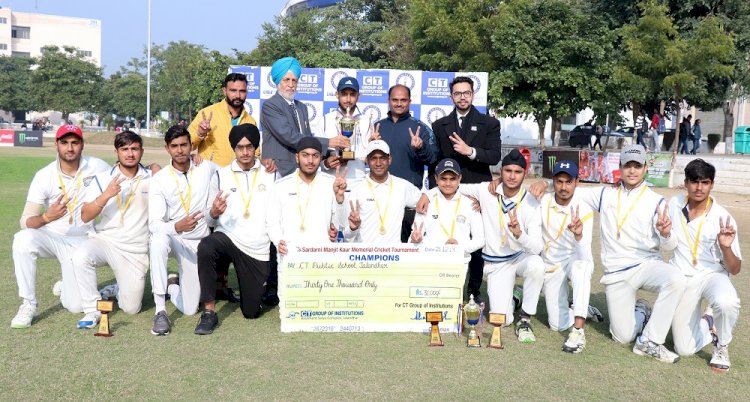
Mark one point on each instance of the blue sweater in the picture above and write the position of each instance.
(408, 163)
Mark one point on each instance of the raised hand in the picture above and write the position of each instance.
(205, 125)
(219, 205)
(333, 161)
(727, 233)
(114, 188)
(575, 225)
(494, 184)
(663, 223)
(354, 218)
(538, 189)
(513, 225)
(57, 209)
(416, 232)
(197, 159)
(459, 145)
(416, 140)
(339, 185)
(332, 233)
(188, 223)
(374, 132)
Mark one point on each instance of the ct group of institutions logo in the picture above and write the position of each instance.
(21, 138)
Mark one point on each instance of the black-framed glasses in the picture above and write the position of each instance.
(464, 94)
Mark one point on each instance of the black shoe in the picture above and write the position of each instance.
(207, 323)
(227, 294)
(270, 298)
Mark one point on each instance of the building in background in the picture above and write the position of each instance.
(25, 34)
(294, 6)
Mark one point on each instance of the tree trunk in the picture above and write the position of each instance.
(728, 119)
(678, 125)
(556, 123)
(541, 122)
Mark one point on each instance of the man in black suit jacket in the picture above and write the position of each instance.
(472, 139)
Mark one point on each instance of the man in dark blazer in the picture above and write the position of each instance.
(472, 139)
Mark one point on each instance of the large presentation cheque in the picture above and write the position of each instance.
(347, 287)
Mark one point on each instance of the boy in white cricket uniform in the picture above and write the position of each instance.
(513, 241)
(50, 223)
(119, 197)
(635, 227)
(241, 197)
(376, 204)
(177, 206)
(707, 264)
(450, 218)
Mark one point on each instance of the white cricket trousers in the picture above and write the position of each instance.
(501, 277)
(185, 297)
(30, 244)
(620, 288)
(559, 314)
(129, 269)
(689, 331)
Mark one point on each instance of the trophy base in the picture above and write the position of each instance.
(347, 155)
(473, 343)
(496, 343)
(104, 334)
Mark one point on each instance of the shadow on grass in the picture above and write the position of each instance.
(49, 312)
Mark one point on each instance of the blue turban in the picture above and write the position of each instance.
(281, 66)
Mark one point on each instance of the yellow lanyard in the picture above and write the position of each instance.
(303, 212)
(246, 202)
(184, 201)
(694, 245)
(124, 208)
(71, 205)
(453, 221)
(377, 204)
(632, 205)
(559, 231)
(503, 228)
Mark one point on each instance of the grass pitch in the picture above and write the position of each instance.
(252, 360)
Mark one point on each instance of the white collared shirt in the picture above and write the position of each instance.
(296, 204)
(360, 138)
(455, 215)
(709, 255)
(123, 221)
(560, 245)
(392, 197)
(254, 188)
(171, 191)
(45, 189)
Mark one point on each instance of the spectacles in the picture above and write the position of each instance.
(464, 94)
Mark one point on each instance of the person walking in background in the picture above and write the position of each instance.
(696, 136)
(684, 130)
(640, 127)
(654, 130)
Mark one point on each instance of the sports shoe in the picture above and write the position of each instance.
(270, 298)
(517, 297)
(161, 326)
(720, 358)
(594, 315)
(227, 294)
(576, 341)
(90, 320)
(658, 352)
(207, 323)
(109, 292)
(57, 288)
(25, 315)
(524, 332)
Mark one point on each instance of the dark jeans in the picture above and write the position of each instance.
(696, 145)
(216, 250)
(639, 139)
(682, 147)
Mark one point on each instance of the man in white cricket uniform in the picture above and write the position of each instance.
(50, 223)
(635, 228)
(376, 204)
(119, 198)
(450, 218)
(177, 206)
(708, 254)
(347, 93)
(567, 226)
(241, 194)
(513, 241)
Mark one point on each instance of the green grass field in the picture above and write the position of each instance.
(252, 360)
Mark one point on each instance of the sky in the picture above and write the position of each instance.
(217, 24)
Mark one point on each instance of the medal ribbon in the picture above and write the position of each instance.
(632, 205)
(453, 221)
(71, 206)
(124, 208)
(377, 204)
(505, 208)
(303, 212)
(559, 231)
(246, 202)
(184, 201)
(694, 245)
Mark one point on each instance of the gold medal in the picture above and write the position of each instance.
(618, 235)
(301, 228)
(382, 230)
(70, 220)
(246, 215)
(695, 262)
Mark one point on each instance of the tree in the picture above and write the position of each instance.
(173, 70)
(15, 83)
(128, 95)
(205, 88)
(64, 81)
(548, 59)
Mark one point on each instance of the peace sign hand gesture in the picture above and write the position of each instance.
(354, 219)
(416, 140)
(513, 225)
(205, 125)
(459, 145)
(575, 225)
(339, 185)
(374, 132)
(57, 209)
(727, 233)
(663, 223)
(416, 232)
(114, 188)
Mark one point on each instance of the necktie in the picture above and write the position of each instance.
(461, 122)
(296, 116)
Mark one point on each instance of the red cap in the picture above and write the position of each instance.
(68, 129)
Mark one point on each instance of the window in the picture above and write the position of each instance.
(3, 20)
(20, 54)
(21, 32)
(3, 46)
(84, 53)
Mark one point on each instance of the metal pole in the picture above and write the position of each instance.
(148, 73)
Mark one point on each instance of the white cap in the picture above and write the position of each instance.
(378, 145)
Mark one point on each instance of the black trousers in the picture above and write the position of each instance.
(217, 250)
(407, 223)
(476, 271)
(273, 274)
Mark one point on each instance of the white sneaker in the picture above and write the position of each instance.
(109, 292)
(658, 352)
(25, 315)
(57, 288)
(720, 358)
(524, 332)
(594, 314)
(90, 320)
(576, 341)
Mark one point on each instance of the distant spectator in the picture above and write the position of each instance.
(640, 127)
(684, 132)
(696, 136)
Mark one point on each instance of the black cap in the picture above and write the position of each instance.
(247, 130)
(514, 157)
(348, 82)
(448, 165)
(309, 142)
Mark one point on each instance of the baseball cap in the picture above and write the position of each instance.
(309, 142)
(633, 153)
(565, 167)
(348, 82)
(69, 129)
(448, 165)
(378, 145)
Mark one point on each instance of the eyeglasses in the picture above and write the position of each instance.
(464, 94)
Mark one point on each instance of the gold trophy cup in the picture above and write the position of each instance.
(348, 124)
(472, 314)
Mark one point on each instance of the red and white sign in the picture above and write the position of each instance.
(6, 138)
